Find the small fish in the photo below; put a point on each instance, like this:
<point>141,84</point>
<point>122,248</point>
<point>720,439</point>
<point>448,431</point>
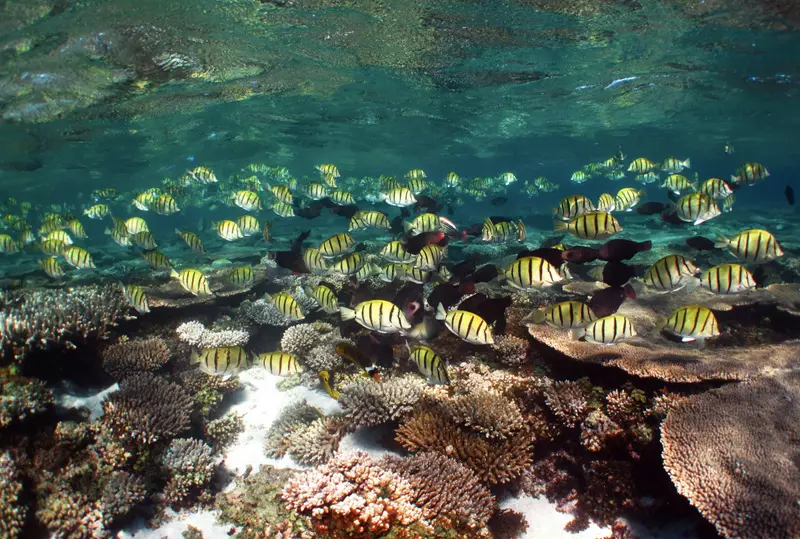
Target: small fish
<point>336,245</point>
<point>715,188</point>
<point>430,257</point>
<point>650,208</point>
<point>573,206</point>
<point>579,177</point>
<point>429,222</point>
<point>578,255</point>
<point>673,165</point>
<point>699,243</point>
<point>466,325</point>
<point>192,241</point>
<point>729,148</point>
<point>678,184</point>
<point>248,225</point>
<point>408,272</point>
<point>606,203</point>
<point>367,219</point>
<point>143,201</point>
<point>50,265</point>
<point>98,211</point>
<point>670,273</point>
<point>313,260</point>
<point>327,383</point>
<point>278,363</point>
<point>342,198</point>
<point>727,203</point>
<point>395,252</point>
<point>590,226</point>
<point>76,227</point>
<point>750,174</point>
<point>316,191</point>
<point>134,225</point>
<point>628,198</point>
<point>247,200</point>
<point>287,306</point>
<point>498,201</point>
<point>224,361</point>
<point>228,230</point>
<point>565,315</point>
<point>349,264</point>
<point>193,281</point>
<point>641,165</point>
<point>430,365</point>
<point>59,235</point>
<point>203,175</point>
<point>728,279</point>
<point>789,192</point>
<point>144,239</point>
<point>534,272</point>
<point>352,354</point>
<point>697,208</point>
<point>325,296</point>
<point>607,330</point>
<point>399,197</point>
<point>78,257</point>
<point>165,205</point>
<point>267,231</point>
<point>619,250</point>
<point>691,323</point>
<point>328,169</point>
<point>755,246</point>
<point>242,276</point>
<point>377,315</point>
<point>157,260</point>
<point>282,194</point>
<point>282,209</point>
<point>136,298</point>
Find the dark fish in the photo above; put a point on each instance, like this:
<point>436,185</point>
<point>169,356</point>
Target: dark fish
<point>673,196</point>
<point>426,203</point>
<point>472,230</point>
<point>376,348</point>
<point>397,225</point>
<point>312,211</point>
<point>404,213</point>
<point>789,195</point>
<point>293,258</point>
<point>578,255</point>
<point>492,310</point>
<point>463,269</point>
<point>351,353</point>
<point>700,243</point>
<point>414,244</point>
<point>554,256</point>
<point>345,211</point>
<point>501,219</point>
<point>617,274</point>
<point>760,276</point>
<point>449,294</point>
<point>607,301</point>
<point>670,215</point>
<point>484,274</point>
<point>411,301</point>
<point>499,201</point>
<point>619,250</point>
<point>650,208</point>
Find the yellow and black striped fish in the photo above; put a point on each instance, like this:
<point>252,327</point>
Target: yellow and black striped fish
<point>325,297</point>
<point>76,228</point>
<point>628,198</point>
<point>342,198</point>
<point>59,235</point>
<point>242,276</point>
<point>691,323</point>
<point>675,165</point>
<point>223,361</point>
<point>395,252</point>
<point>726,204</point>
<point>367,219</point>
<point>416,173</point>
<point>203,175</point>
<point>316,191</point>
<point>349,265</point>
<point>377,315</point>
<point>533,272</point>
<point>399,197</point>
<point>571,206</point>
<point>590,226</point>
<point>26,237</point>
<point>228,230</point>
<point>9,246</point>
<point>565,315</point>
<point>430,257</point>
<point>192,241</point>
<point>466,325</point>
<point>248,225</point>
<point>143,201</point>
<point>165,205</point>
<point>670,273</point>
<point>677,183</point>
<point>266,232</point>
<point>417,185</point>
<point>641,165</point>
<point>336,245</point>
<point>134,225</point>
<point>98,211</point>
<point>278,363</point>
<point>328,169</point>
<point>728,279</point>
<point>430,365</point>
<point>157,260</point>
<point>51,266</point>
<point>607,330</point>
<point>136,298</point>
<point>78,257</point>
<point>193,281</point>
<point>313,260</point>
<point>247,200</point>
<point>752,245</point>
<point>749,174</point>
<point>282,193</point>
<point>408,272</point>
<point>696,208</point>
<point>715,188</point>
<point>282,209</point>
<point>144,239</point>
<point>366,270</point>
<point>104,193</point>
<point>287,306</point>
<point>389,272</point>
<point>452,179</point>
<point>606,203</point>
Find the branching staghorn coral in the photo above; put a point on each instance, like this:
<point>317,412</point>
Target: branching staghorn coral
<point>313,343</point>
<point>485,412</point>
<point>196,335</point>
<point>121,494</point>
<point>22,398</point>
<point>222,432</point>
<point>12,511</point>
<point>304,433</point>
<point>191,466</point>
<point>207,391</point>
<point>510,350</point>
<point>134,356</point>
<point>569,401</point>
<point>34,319</point>
<point>367,403</point>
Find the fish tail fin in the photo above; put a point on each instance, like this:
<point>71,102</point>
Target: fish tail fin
<point>722,241</point>
<point>177,232</point>
<point>642,193</point>
<point>559,226</point>
<point>174,274</point>
<point>734,179</point>
<point>687,163</point>
<point>565,273</point>
<point>194,358</point>
<point>347,314</point>
<point>538,316</point>
<point>694,186</point>
<point>576,334</point>
<point>407,227</point>
<point>441,314</point>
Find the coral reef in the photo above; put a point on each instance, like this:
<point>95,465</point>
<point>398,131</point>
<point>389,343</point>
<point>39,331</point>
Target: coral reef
<point>367,403</point>
<point>147,408</point>
<point>196,335</point>
<point>507,524</point>
<point>133,356</point>
<point>22,398</point>
<point>70,515</point>
<point>733,452</point>
<point>222,432</point>
<point>510,350</point>
<point>263,312</point>
<point>485,412</point>
<point>35,319</point>
<point>12,511</point>
<point>304,433</point>
<point>191,467</point>
<point>314,344</point>
<point>121,494</point>
<point>207,391</point>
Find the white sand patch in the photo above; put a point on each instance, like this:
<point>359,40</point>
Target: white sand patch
<point>545,522</point>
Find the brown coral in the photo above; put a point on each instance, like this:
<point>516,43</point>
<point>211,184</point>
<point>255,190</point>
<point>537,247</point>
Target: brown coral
<point>487,413</point>
<point>317,442</point>
<point>569,401</point>
<point>130,357</point>
<point>510,350</point>
<point>733,452</point>
<point>367,403</point>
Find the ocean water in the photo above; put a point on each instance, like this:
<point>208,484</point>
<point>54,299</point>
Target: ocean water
<point>127,96</point>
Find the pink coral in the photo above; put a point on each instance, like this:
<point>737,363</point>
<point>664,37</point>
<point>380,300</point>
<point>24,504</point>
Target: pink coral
<point>352,496</point>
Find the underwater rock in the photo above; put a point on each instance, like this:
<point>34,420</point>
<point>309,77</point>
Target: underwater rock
<point>12,511</point>
<point>733,453</point>
<point>134,356</point>
<point>368,403</point>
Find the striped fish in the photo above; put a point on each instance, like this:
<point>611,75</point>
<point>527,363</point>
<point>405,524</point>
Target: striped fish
<point>366,271</point>
<point>144,239</point>
<point>248,225</point>
<point>283,210</point>
<point>678,184</point>
<point>591,226</point>
<point>78,257</point>
<point>749,174</point>
<point>607,330</point>
<point>408,272</point>
<point>192,241</point>
<point>641,165</point>
<point>416,174</point>
<point>119,234</point>
<point>193,281</point>
<point>417,185</point>
<point>533,272</point>
<point>715,188</point>
<point>572,206</point>
<point>565,315</point>
<point>224,361</point>
<point>349,264</point>
<point>377,315</point>
<point>395,252</point>
<point>247,200</point>
<point>325,297</point>
<point>752,245</point>
<point>628,198</point>
<point>399,197</point>
<point>98,211</point>
<point>428,222</point>
<point>674,165</point>
<point>278,363</point>
<point>430,365</point>
<point>51,266</point>
<point>727,202</point>
<point>143,201</point>
<point>466,325</point>
<point>579,176</point>
<point>283,194</point>
<point>430,257</point>
<point>650,177</point>
<point>691,323</point>
<point>9,246</point>
<point>26,237</point>
<point>328,169</point>
<point>76,227</point>
<point>266,232</point>
<point>389,272</point>
<point>157,260</point>
<point>228,230</point>
<point>329,180</point>
<point>59,235</point>
<point>452,179</point>
<point>134,225</point>
<point>336,245</point>
<point>316,191</point>
<point>203,175</point>
<point>388,182</point>
<point>728,279</point>
<point>670,273</point>
<point>606,203</point>
<point>287,306</point>
<point>342,198</point>
<point>367,219</point>
<point>165,205</point>
<point>697,208</point>
<point>313,260</point>
<point>136,298</point>
<point>242,276</point>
